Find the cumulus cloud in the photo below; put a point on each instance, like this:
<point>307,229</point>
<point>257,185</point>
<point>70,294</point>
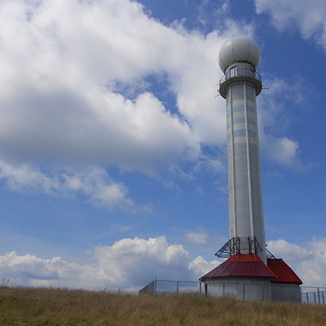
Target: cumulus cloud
<point>283,150</point>
<point>133,263</point>
<point>288,251</point>
<point>197,238</point>
<point>313,270</point>
<point>308,261</point>
<point>62,63</point>
<point>93,182</point>
<point>274,119</point>
<point>212,165</point>
<point>201,267</point>
<point>308,16</point>
<point>76,87</point>
<point>28,269</point>
<point>128,263</point>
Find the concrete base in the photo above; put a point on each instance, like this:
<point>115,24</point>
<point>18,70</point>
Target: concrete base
<point>246,277</point>
<point>240,288</point>
<point>286,292</point>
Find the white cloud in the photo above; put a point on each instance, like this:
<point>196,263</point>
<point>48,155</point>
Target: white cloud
<point>24,270</point>
<point>68,67</point>
<point>76,90</point>
<point>61,99</point>
<point>212,165</point>
<point>197,238</point>
<point>288,251</point>
<point>313,271</point>
<point>308,261</point>
<point>274,119</point>
<point>133,263</point>
<point>128,263</point>
<point>283,150</point>
<point>93,182</point>
<point>200,266</point>
<point>308,16</point>
<point>139,260</point>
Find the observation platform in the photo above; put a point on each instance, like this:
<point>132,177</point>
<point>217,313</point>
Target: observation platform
<point>240,75</point>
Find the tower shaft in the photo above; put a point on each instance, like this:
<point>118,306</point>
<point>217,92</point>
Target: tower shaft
<point>240,87</point>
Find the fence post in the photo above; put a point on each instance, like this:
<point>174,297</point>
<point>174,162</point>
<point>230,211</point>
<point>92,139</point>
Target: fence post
<point>155,287</point>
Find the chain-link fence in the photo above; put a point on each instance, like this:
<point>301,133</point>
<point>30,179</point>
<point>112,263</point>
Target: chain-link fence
<point>162,287</point>
<point>309,294</point>
<point>313,294</point>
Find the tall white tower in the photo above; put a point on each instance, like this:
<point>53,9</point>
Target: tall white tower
<point>247,274</point>
<point>238,59</point>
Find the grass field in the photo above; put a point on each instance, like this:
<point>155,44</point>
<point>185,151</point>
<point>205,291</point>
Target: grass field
<point>63,307</point>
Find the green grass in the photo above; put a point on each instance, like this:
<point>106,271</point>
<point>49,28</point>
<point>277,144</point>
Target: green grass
<point>60,307</point>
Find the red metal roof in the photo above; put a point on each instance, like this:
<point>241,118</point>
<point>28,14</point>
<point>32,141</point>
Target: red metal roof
<point>240,265</point>
<point>283,272</point>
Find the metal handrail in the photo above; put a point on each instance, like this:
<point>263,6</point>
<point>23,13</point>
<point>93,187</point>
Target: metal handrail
<point>240,72</point>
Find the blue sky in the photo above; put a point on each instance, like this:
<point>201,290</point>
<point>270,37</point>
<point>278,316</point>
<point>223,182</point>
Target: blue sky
<point>112,154</point>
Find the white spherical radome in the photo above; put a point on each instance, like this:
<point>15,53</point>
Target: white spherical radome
<point>239,48</point>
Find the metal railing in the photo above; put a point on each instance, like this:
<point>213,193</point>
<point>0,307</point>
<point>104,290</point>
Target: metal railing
<point>309,294</point>
<point>162,287</point>
<point>240,72</point>
<point>313,294</point>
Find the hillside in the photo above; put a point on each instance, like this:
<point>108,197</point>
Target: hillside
<point>63,307</point>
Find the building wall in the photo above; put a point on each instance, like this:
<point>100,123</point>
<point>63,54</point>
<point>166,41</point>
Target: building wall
<point>247,289</point>
<point>286,292</point>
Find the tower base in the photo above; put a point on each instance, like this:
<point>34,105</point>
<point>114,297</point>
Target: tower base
<point>286,292</point>
<point>286,286</point>
<point>240,288</point>
<point>246,277</point>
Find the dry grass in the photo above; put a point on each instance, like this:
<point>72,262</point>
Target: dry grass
<point>61,307</point>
